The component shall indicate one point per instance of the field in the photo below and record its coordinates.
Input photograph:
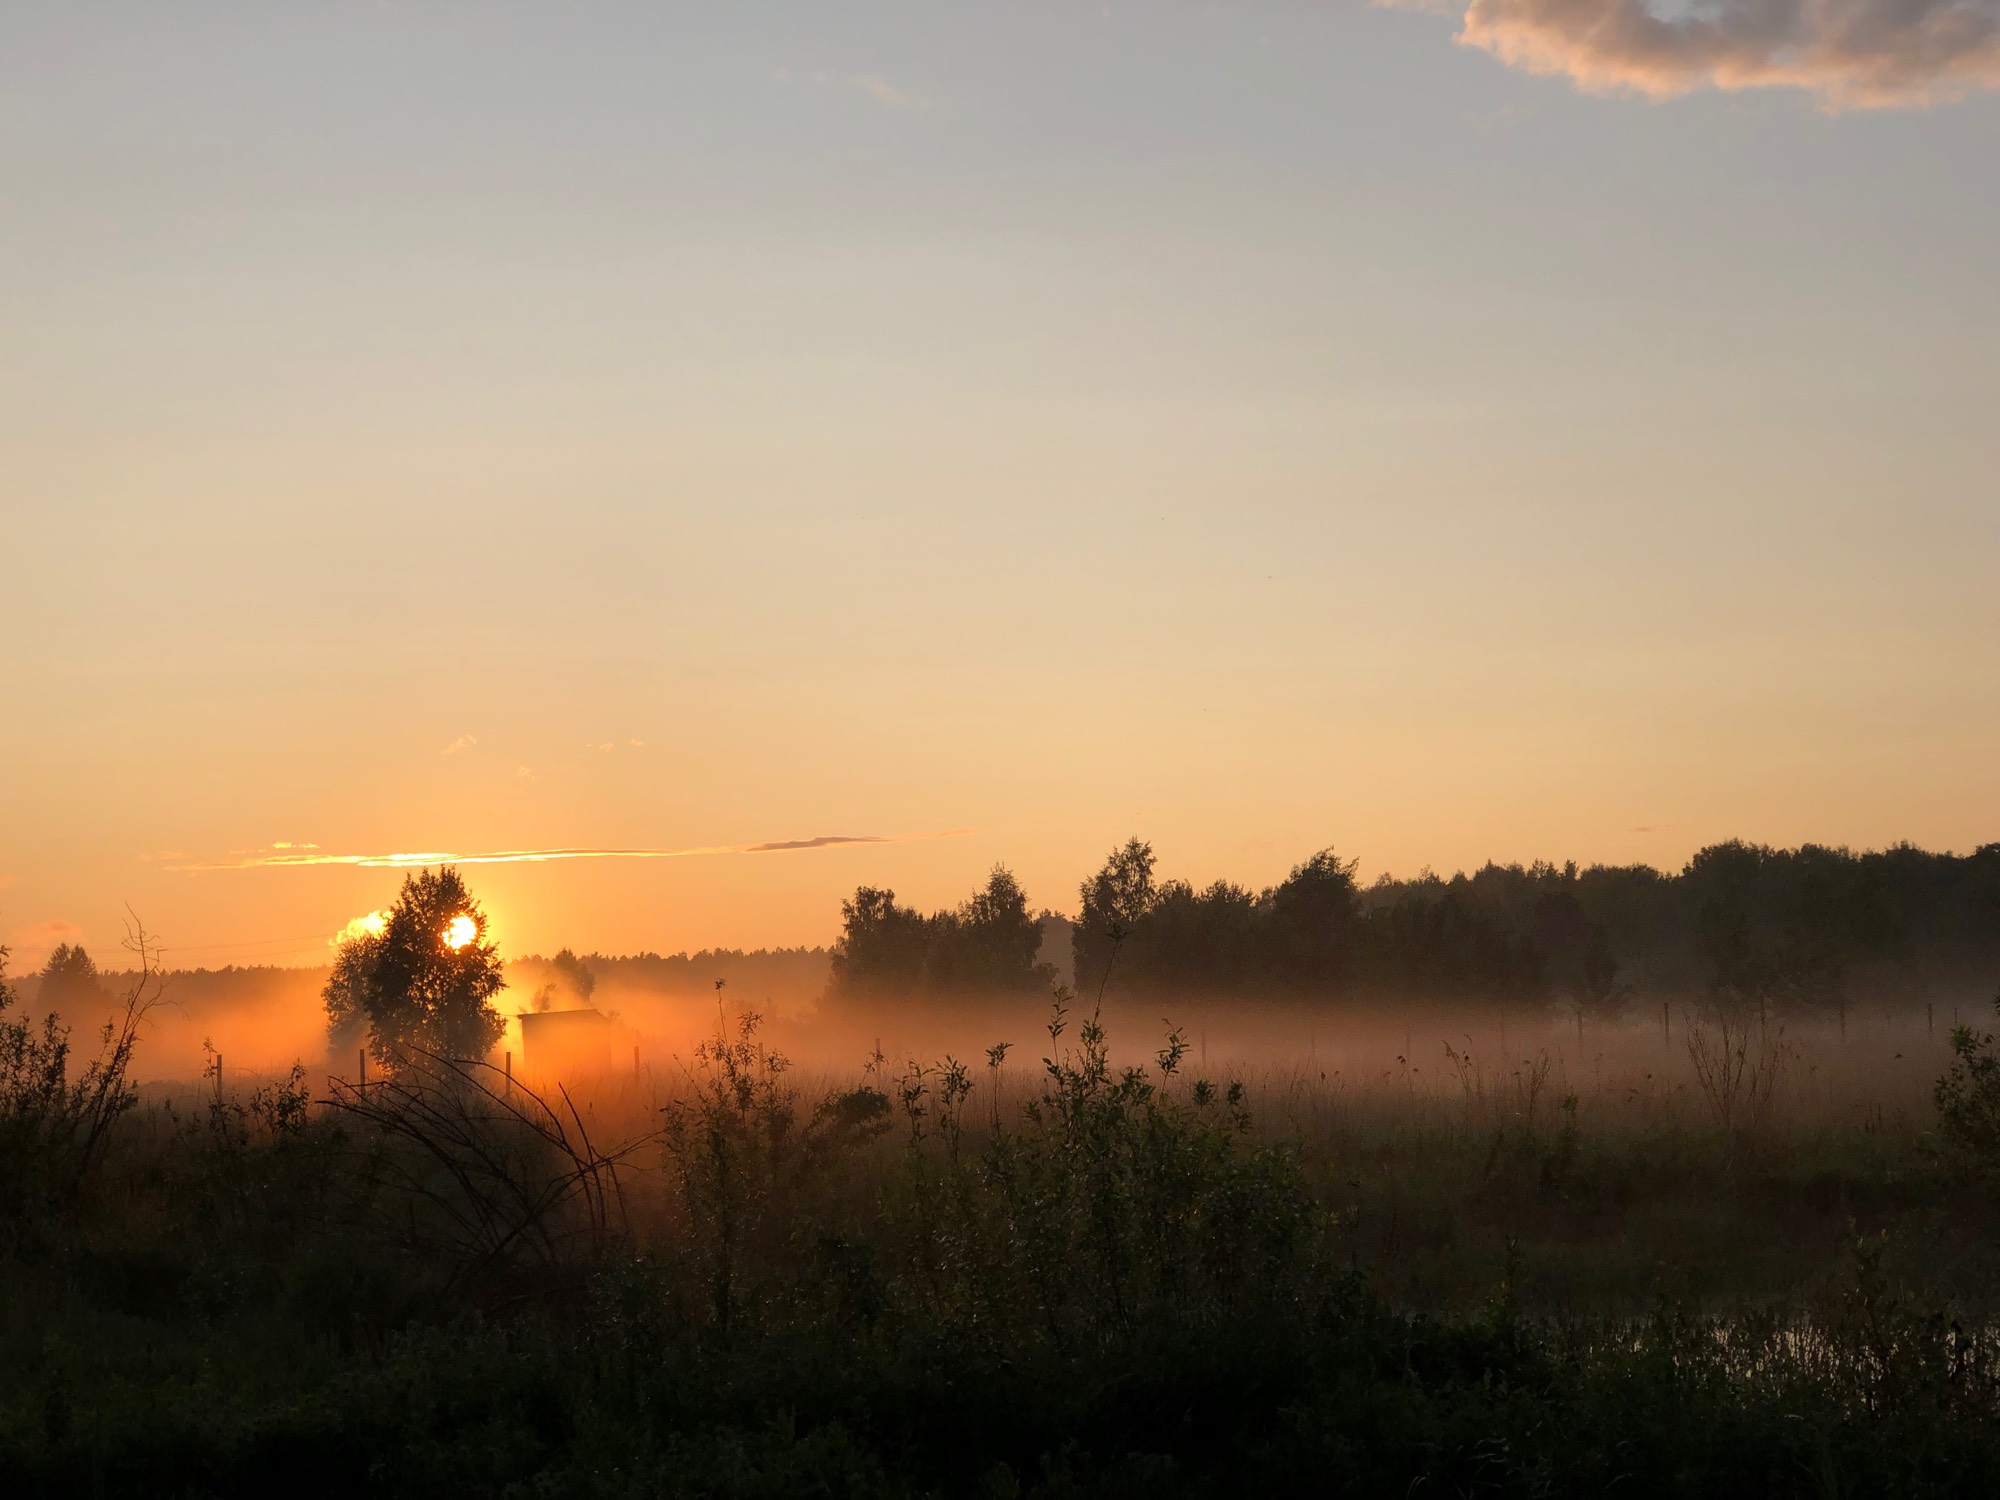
(1272, 1252)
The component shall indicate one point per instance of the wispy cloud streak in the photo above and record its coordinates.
(413, 859)
(1853, 54)
(886, 93)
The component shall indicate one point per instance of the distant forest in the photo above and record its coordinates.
(1806, 930)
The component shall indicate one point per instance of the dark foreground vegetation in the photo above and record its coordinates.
(1054, 1274)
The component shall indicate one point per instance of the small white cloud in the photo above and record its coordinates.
(524, 773)
(284, 844)
(463, 742)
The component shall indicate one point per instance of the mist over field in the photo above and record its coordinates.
(1721, 1139)
(1862, 965)
(1000, 752)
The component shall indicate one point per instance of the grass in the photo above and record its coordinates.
(1081, 1275)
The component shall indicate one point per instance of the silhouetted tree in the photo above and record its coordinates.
(411, 988)
(70, 982)
(1747, 925)
(986, 946)
(882, 946)
(1190, 942)
(346, 992)
(1313, 934)
(1436, 940)
(1114, 902)
(989, 945)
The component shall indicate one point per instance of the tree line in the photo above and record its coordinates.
(1812, 928)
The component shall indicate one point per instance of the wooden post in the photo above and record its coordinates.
(218, 1078)
(361, 1058)
(510, 1071)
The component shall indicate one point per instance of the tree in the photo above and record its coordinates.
(989, 946)
(346, 992)
(70, 982)
(1314, 920)
(426, 982)
(1114, 901)
(882, 946)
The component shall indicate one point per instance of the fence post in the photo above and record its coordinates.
(218, 1078)
(510, 1072)
(361, 1056)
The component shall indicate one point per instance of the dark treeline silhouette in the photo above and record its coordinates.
(988, 946)
(1803, 930)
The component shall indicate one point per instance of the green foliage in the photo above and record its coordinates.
(1968, 1096)
(53, 1128)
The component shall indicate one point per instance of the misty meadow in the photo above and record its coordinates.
(1541, 1180)
(890, 749)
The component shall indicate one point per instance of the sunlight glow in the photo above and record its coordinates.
(370, 924)
(461, 931)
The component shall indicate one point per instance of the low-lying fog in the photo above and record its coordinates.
(1294, 1056)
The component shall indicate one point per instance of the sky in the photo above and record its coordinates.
(1553, 429)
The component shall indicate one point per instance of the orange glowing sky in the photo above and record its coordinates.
(705, 464)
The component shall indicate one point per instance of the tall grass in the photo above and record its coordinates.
(1085, 1272)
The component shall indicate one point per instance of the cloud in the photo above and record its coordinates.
(1852, 54)
(463, 742)
(411, 860)
(830, 840)
(886, 93)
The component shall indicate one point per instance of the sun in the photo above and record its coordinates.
(461, 931)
